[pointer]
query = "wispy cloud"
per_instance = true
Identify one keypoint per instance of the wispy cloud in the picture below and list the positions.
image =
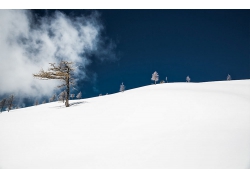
(28, 44)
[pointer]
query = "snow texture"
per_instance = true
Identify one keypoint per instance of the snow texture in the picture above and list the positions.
(171, 125)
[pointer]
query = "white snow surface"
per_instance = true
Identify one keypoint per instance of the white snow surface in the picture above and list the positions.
(171, 125)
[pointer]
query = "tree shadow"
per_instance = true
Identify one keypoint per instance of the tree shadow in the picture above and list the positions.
(77, 103)
(70, 104)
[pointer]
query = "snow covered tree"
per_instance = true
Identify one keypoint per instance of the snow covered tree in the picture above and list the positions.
(36, 103)
(155, 77)
(188, 79)
(166, 79)
(10, 102)
(44, 102)
(229, 77)
(63, 72)
(122, 88)
(53, 98)
(72, 95)
(62, 96)
(2, 104)
(79, 95)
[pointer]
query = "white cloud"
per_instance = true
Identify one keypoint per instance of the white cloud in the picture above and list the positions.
(27, 46)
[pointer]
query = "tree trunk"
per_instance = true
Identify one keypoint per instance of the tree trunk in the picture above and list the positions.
(67, 97)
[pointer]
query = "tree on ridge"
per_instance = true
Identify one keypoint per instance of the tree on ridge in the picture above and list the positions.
(63, 72)
(155, 77)
(122, 88)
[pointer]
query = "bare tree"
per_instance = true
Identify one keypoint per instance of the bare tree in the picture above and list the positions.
(79, 95)
(188, 79)
(155, 77)
(63, 71)
(229, 77)
(2, 104)
(122, 88)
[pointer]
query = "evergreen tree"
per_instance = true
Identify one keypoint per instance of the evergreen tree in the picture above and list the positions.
(122, 88)
(10, 102)
(229, 77)
(53, 98)
(36, 103)
(155, 77)
(2, 104)
(79, 95)
(62, 96)
(72, 95)
(188, 79)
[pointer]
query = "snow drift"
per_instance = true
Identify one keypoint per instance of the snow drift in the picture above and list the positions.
(172, 125)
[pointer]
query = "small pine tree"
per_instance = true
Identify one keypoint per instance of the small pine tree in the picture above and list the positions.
(36, 103)
(79, 95)
(62, 96)
(188, 79)
(2, 104)
(166, 79)
(53, 98)
(72, 95)
(229, 78)
(122, 88)
(155, 77)
(10, 102)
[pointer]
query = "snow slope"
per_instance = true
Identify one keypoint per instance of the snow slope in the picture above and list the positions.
(172, 125)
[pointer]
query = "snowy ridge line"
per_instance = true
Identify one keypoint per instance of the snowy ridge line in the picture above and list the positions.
(171, 125)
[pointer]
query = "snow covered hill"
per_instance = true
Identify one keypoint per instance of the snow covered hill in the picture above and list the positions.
(172, 125)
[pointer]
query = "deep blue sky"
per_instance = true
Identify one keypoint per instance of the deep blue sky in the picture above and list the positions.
(204, 44)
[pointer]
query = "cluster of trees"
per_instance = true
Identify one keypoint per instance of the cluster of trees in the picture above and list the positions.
(122, 89)
(61, 97)
(64, 72)
(7, 103)
(155, 78)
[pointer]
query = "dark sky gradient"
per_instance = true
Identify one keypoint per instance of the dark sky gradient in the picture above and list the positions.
(204, 44)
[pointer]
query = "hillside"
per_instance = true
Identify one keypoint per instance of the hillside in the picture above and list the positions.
(171, 125)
